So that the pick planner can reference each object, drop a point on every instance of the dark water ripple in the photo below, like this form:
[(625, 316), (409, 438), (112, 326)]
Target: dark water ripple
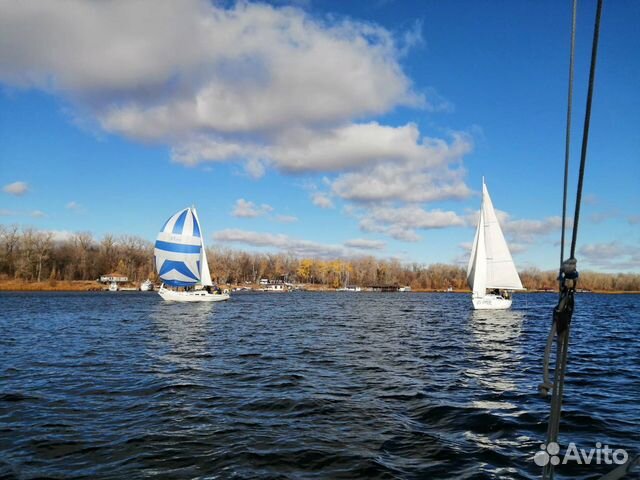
[(304, 386)]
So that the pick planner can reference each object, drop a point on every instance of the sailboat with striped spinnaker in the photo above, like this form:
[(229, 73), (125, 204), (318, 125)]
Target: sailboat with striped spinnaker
[(181, 261)]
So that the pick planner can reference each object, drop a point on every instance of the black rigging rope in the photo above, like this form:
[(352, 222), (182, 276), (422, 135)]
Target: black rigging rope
[(567, 144), (568, 275), (587, 121)]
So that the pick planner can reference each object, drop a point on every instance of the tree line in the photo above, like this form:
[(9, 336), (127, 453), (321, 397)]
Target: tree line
[(36, 256)]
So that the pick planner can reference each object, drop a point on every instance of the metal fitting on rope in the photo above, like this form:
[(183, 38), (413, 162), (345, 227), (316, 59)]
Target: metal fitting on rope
[(563, 312), (569, 270)]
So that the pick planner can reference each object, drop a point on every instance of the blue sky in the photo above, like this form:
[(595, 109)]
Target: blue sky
[(321, 128)]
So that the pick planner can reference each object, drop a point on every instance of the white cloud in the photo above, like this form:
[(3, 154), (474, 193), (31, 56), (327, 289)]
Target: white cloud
[(523, 231), (302, 248), (193, 66), (604, 215), (420, 172), (22, 213), (612, 256), (262, 85), (529, 231), (16, 188), (388, 157), (60, 235), (246, 209), (298, 247), (254, 168), (365, 244), (401, 223), (74, 206), (286, 218), (321, 200), (353, 146)]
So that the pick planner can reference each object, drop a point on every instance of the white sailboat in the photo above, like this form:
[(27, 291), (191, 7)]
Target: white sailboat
[(181, 260), (491, 266), (348, 288)]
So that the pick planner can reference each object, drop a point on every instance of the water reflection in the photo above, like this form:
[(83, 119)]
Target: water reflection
[(183, 330), (498, 350)]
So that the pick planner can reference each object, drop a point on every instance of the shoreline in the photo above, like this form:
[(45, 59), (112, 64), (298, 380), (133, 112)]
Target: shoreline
[(92, 286)]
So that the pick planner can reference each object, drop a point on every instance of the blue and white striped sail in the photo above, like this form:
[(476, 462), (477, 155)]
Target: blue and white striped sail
[(178, 250)]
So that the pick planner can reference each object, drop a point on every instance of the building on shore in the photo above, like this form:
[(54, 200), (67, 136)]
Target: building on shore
[(114, 277), (384, 288)]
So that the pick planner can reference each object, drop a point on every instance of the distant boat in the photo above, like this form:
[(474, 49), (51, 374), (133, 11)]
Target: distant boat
[(276, 287), (490, 265), (181, 261), (113, 287), (146, 286), (347, 287)]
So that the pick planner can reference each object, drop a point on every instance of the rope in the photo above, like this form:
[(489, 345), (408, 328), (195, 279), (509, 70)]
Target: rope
[(587, 121), (567, 143), (622, 470), (568, 274), (546, 385)]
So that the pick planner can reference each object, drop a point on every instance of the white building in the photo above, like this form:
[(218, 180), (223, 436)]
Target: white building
[(114, 277)]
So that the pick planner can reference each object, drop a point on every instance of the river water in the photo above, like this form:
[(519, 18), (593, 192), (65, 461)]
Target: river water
[(305, 385)]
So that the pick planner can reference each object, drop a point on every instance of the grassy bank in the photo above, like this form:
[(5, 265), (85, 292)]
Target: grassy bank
[(55, 286), (92, 286)]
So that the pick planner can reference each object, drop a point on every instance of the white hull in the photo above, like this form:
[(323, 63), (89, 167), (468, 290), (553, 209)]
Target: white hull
[(113, 287), (491, 302), (192, 296)]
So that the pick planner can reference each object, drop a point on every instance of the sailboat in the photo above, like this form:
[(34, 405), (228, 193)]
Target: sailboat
[(348, 288), (490, 265), (181, 260)]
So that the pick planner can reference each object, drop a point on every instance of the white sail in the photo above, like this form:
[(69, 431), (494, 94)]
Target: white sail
[(205, 274), (477, 271), (178, 250), (501, 271), (471, 268), (490, 264)]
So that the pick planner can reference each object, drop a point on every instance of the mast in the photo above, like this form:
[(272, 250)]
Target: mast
[(480, 271), (477, 269)]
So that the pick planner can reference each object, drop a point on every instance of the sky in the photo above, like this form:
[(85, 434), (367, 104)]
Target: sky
[(321, 128)]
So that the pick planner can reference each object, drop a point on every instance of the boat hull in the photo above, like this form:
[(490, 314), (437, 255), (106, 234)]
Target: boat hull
[(192, 296), (491, 302)]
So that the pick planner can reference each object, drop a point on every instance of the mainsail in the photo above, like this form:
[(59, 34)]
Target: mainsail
[(205, 276), (477, 269), (491, 264), (179, 249)]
